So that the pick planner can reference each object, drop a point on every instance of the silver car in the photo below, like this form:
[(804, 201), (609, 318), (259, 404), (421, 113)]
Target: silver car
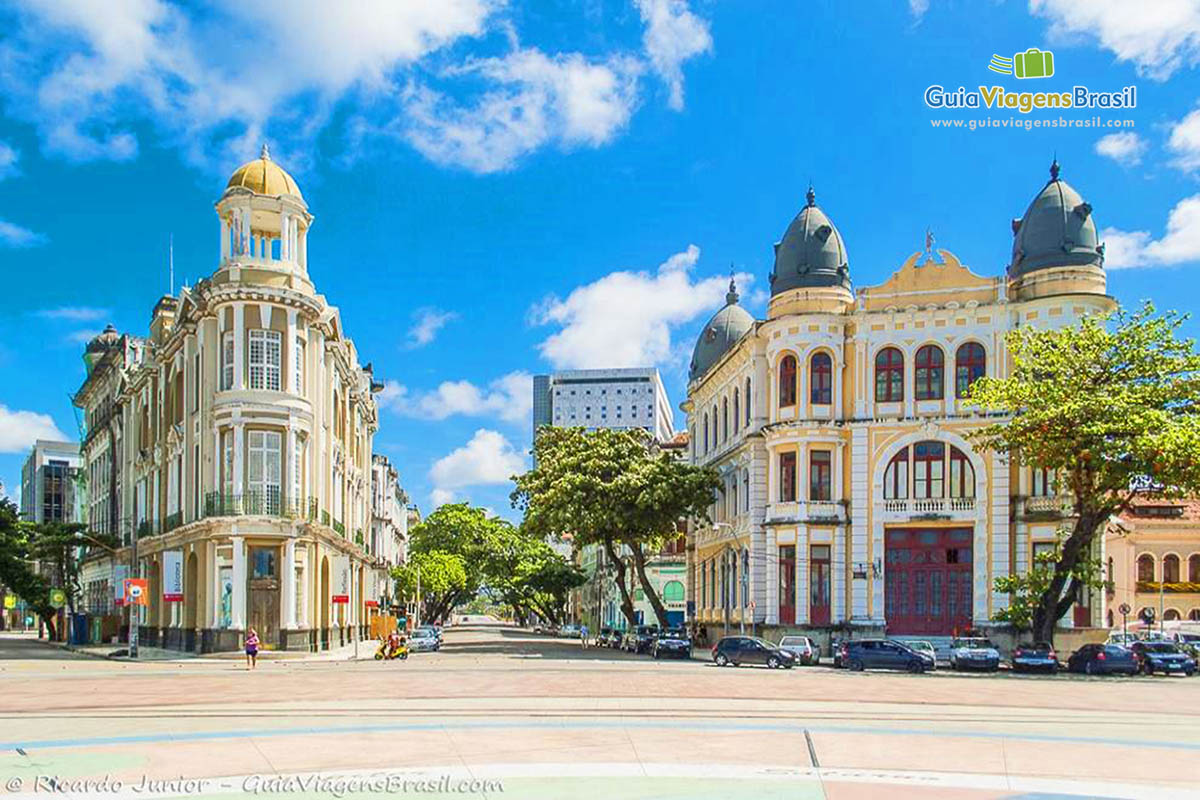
[(424, 640), (805, 650), (924, 648)]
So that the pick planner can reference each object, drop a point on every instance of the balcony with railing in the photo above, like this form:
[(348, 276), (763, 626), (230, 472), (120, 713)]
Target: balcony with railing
[(339, 527), (1050, 505), (929, 505), (254, 504), (172, 521)]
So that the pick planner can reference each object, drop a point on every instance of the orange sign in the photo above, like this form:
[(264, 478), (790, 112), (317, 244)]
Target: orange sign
[(136, 592)]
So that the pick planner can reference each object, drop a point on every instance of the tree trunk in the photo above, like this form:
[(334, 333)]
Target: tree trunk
[(1058, 598), (639, 564), (619, 567)]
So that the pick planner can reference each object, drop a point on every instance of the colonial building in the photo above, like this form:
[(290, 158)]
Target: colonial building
[(231, 447), (389, 513), (852, 496), (1153, 559)]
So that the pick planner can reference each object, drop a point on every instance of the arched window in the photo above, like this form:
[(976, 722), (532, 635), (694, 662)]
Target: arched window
[(725, 419), (929, 470), (733, 486), (1145, 568), (889, 376), (929, 363), (821, 376), (1194, 568), (1170, 615), (706, 432), (672, 592), (1111, 622), (787, 381), (962, 474), (1194, 615), (970, 363), (747, 401), (716, 439), (745, 578), (745, 490), (736, 406), (1170, 568), (895, 477)]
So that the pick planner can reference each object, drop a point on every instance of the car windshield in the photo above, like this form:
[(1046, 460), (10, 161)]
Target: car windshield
[(645, 630), (793, 641), (675, 633), (972, 643), (1160, 648), (1038, 646), (1190, 638)]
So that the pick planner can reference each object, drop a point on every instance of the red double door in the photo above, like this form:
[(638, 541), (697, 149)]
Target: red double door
[(928, 580)]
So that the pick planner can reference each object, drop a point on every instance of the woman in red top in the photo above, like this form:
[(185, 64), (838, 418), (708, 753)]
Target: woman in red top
[(251, 649)]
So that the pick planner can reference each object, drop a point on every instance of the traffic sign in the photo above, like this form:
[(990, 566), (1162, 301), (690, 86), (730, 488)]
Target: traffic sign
[(58, 598), (1124, 609)]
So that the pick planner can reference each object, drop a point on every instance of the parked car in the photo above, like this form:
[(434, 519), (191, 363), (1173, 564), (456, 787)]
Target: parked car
[(546, 629), (1103, 659), (1122, 639), (738, 650), (805, 650), (639, 639), (860, 654), (569, 631), (926, 649), (1188, 643), (1165, 657), (1033, 656), (974, 653), (423, 640), (672, 642), (613, 638)]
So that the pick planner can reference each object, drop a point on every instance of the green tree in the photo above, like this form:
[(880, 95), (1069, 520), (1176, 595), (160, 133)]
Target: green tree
[(1111, 406), (17, 570), (62, 546), (612, 489), (441, 577)]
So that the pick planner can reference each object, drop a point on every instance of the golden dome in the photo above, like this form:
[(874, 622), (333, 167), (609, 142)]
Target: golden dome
[(264, 176)]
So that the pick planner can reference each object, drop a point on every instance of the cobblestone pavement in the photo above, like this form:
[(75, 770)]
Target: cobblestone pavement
[(547, 719)]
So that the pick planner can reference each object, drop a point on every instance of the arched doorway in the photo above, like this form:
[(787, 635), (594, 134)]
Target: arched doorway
[(323, 602), (191, 600)]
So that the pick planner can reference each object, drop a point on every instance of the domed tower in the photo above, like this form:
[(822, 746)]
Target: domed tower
[(812, 273), (100, 344), (264, 226), (722, 332), (1055, 246)]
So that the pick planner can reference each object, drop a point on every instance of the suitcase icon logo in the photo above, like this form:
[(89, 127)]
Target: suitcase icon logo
[(1033, 63)]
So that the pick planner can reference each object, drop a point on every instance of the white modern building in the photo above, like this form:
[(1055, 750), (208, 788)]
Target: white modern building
[(618, 399)]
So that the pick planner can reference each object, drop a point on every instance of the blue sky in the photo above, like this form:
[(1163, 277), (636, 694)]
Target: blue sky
[(503, 189)]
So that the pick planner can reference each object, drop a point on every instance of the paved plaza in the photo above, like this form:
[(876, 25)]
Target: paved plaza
[(545, 719)]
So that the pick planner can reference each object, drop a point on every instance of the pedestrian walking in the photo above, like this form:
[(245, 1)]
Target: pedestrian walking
[(583, 634), (251, 649)]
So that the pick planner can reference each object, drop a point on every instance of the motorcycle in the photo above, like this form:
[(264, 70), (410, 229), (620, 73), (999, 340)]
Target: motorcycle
[(389, 652)]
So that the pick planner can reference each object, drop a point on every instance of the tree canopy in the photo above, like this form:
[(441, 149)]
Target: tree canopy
[(1110, 405)]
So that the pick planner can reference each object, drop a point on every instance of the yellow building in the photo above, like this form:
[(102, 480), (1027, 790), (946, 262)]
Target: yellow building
[(852, 497), (1153, 553), (232, 446)]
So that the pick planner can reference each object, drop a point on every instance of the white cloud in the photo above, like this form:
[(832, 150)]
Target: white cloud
[(440, 497), (625, 319), (1180, 244), (1158, 38), (215, 80), (8, 161), (74, 313), (426, 324), (13, 235), (673, 34), (1184, 142), (487, 460), (918, 8), (1126, 148), (509, 398), (19, 429), (532, 100)]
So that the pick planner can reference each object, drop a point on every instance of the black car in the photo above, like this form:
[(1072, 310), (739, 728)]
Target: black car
[(604, 637), (738, 650), (672, 642), (1165, 657), (1034, 656), (639, 639), (1103, 659), (860, 654)]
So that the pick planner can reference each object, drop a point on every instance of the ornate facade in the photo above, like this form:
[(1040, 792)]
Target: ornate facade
[(233, 444), (852, 495)]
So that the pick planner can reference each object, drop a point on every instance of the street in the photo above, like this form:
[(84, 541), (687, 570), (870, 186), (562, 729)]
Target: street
[(549, 719)]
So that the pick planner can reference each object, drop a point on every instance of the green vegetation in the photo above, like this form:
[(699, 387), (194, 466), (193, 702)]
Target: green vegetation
[(1112, 406)]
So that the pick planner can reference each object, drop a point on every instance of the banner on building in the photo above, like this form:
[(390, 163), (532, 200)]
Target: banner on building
[(120, 573), (340, 566), (172, 562), (136, 592)]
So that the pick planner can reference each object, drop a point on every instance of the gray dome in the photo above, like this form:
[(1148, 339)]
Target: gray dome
[(104, 340), (722, 331), (1056, 231), (811, 254)]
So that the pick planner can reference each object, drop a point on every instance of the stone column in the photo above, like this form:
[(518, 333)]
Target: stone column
[(224, 240), (290, 366), (239, 584), (288, 584), (238, 447), (860, 499), (285, 223), (213, 612), (239, 345)]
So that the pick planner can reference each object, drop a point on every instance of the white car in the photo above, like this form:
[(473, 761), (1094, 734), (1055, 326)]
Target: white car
[(1122, 639), (424, 640), (924, 648), (803, 648), (974, 653)]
